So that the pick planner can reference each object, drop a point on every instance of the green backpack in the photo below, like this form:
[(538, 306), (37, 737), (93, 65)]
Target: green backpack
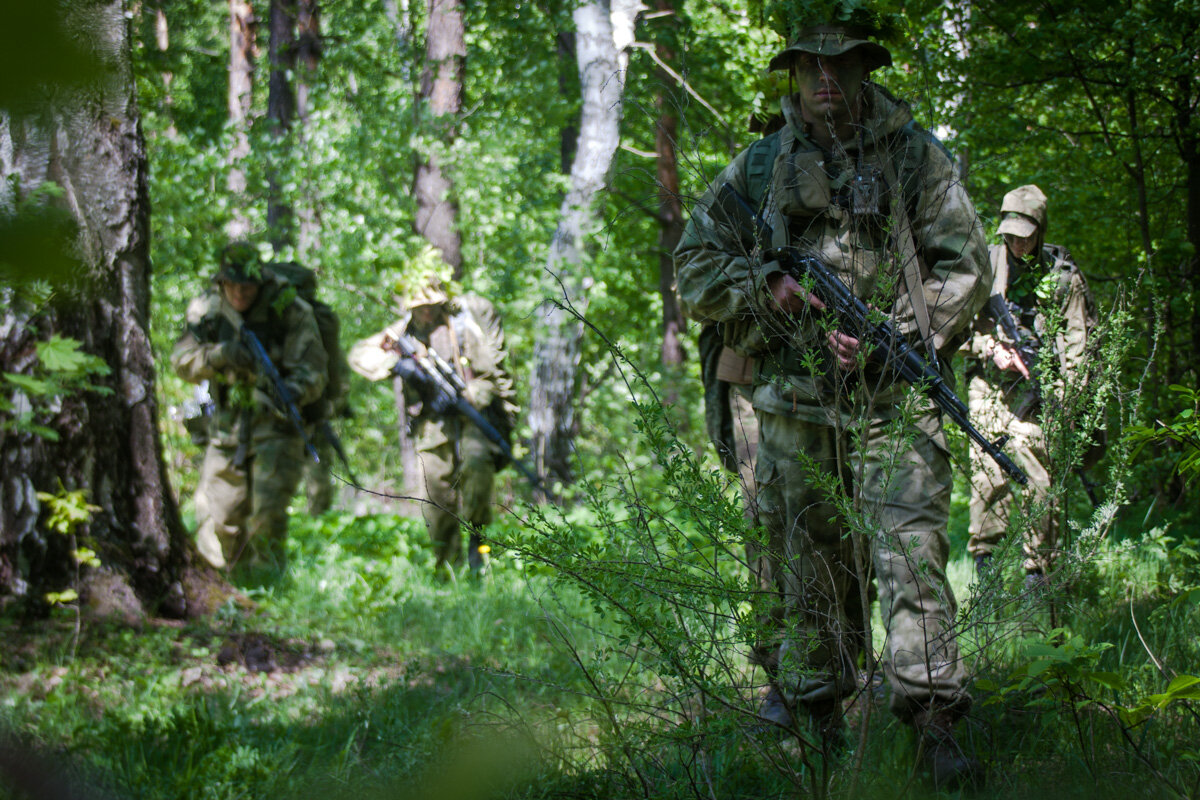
[(304, 281)]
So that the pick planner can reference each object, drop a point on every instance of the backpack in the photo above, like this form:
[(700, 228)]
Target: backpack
[(304, 281)]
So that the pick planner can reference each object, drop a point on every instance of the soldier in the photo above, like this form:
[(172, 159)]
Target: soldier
[(852, 468), (255, 454), (457, 461), (1034, 281)]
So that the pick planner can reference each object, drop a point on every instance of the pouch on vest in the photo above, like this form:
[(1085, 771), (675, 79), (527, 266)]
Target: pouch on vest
[(800, 185)]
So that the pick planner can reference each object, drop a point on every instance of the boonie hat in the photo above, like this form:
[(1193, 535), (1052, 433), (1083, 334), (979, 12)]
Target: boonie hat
[(833, 40)]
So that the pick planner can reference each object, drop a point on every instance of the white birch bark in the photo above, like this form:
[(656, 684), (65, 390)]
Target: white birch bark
[(603, 34)]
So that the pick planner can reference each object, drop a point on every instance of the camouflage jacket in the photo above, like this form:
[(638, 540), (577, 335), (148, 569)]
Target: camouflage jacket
[(840, 207), (288, 331)]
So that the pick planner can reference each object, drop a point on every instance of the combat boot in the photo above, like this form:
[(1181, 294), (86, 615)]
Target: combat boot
[(950, 767), (774, 710)]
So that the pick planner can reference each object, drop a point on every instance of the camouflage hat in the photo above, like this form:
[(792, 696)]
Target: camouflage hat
[(833, 40), (1023, 211), (240, 263)]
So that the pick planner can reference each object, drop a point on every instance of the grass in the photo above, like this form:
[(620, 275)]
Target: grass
[(386, 683)]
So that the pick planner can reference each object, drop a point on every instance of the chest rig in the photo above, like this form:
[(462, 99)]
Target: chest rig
[(852, 209)]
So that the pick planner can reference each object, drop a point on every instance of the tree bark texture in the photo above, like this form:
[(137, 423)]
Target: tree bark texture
[(243, 26), (281, 110), (603, 32), (91, 146), (308, 59), (670, 207), (439, 105)]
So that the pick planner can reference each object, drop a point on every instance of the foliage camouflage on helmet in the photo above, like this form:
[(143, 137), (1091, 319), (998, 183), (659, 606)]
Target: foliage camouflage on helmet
[(240, 262), (790, 18), (426, 280)]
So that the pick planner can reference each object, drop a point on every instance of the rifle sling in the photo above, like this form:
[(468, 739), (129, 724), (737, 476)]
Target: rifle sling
[(913, 283)]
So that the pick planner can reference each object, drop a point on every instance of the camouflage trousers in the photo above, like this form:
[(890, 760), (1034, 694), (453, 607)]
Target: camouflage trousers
[(242, 510), (837, 509), (318, 478), (456, 478), (992, 497)]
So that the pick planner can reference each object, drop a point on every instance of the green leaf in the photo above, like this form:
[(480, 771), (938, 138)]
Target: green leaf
[(62, 355), (33, 386), (62, 598), (1111, 680)]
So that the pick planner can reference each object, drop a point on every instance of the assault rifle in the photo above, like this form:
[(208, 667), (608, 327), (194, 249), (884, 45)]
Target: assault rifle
[(1027, 350), (883, 340), (447, 388), (286, 402)]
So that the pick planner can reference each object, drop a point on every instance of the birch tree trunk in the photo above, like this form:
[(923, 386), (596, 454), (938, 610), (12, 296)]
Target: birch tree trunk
[(243, 27), (603, 32), (90, 146)]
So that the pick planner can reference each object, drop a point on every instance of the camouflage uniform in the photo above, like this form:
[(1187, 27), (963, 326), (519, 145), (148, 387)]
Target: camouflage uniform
[(254, 456), (457, 461), (850, 472), (1000, 400)]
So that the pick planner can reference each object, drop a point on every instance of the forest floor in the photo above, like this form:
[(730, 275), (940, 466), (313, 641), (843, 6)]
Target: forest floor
[(358, 675)]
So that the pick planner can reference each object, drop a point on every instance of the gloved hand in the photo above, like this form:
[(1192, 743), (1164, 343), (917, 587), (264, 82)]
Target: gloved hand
[(232, 357), (413, 375)]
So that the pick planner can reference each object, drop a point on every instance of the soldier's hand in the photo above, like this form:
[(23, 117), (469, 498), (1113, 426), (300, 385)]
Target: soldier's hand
[(790, 296), (232, 357), (411, 373), (266, 400), (845, 349), (1007, 358)]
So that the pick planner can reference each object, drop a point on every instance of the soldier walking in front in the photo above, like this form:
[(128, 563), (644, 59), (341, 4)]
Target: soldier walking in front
[(853, 472)]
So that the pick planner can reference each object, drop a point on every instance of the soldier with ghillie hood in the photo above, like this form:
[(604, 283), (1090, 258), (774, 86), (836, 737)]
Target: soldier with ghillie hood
[(457, 461), (853, 472), (1049, 306), (254, 456)]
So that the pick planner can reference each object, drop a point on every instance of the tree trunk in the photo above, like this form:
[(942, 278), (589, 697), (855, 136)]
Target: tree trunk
[(439, 105), (91, 147), (281, 110), (243, 27), (670, 208), (603, 31), (308, 59)]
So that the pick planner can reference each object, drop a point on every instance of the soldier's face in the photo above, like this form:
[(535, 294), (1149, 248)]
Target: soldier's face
[(425, 317), (1020, 246), (240, 295), (829, 86)]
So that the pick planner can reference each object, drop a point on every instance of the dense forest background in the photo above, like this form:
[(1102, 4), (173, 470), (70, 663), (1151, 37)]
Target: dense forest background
[(550, 152)]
